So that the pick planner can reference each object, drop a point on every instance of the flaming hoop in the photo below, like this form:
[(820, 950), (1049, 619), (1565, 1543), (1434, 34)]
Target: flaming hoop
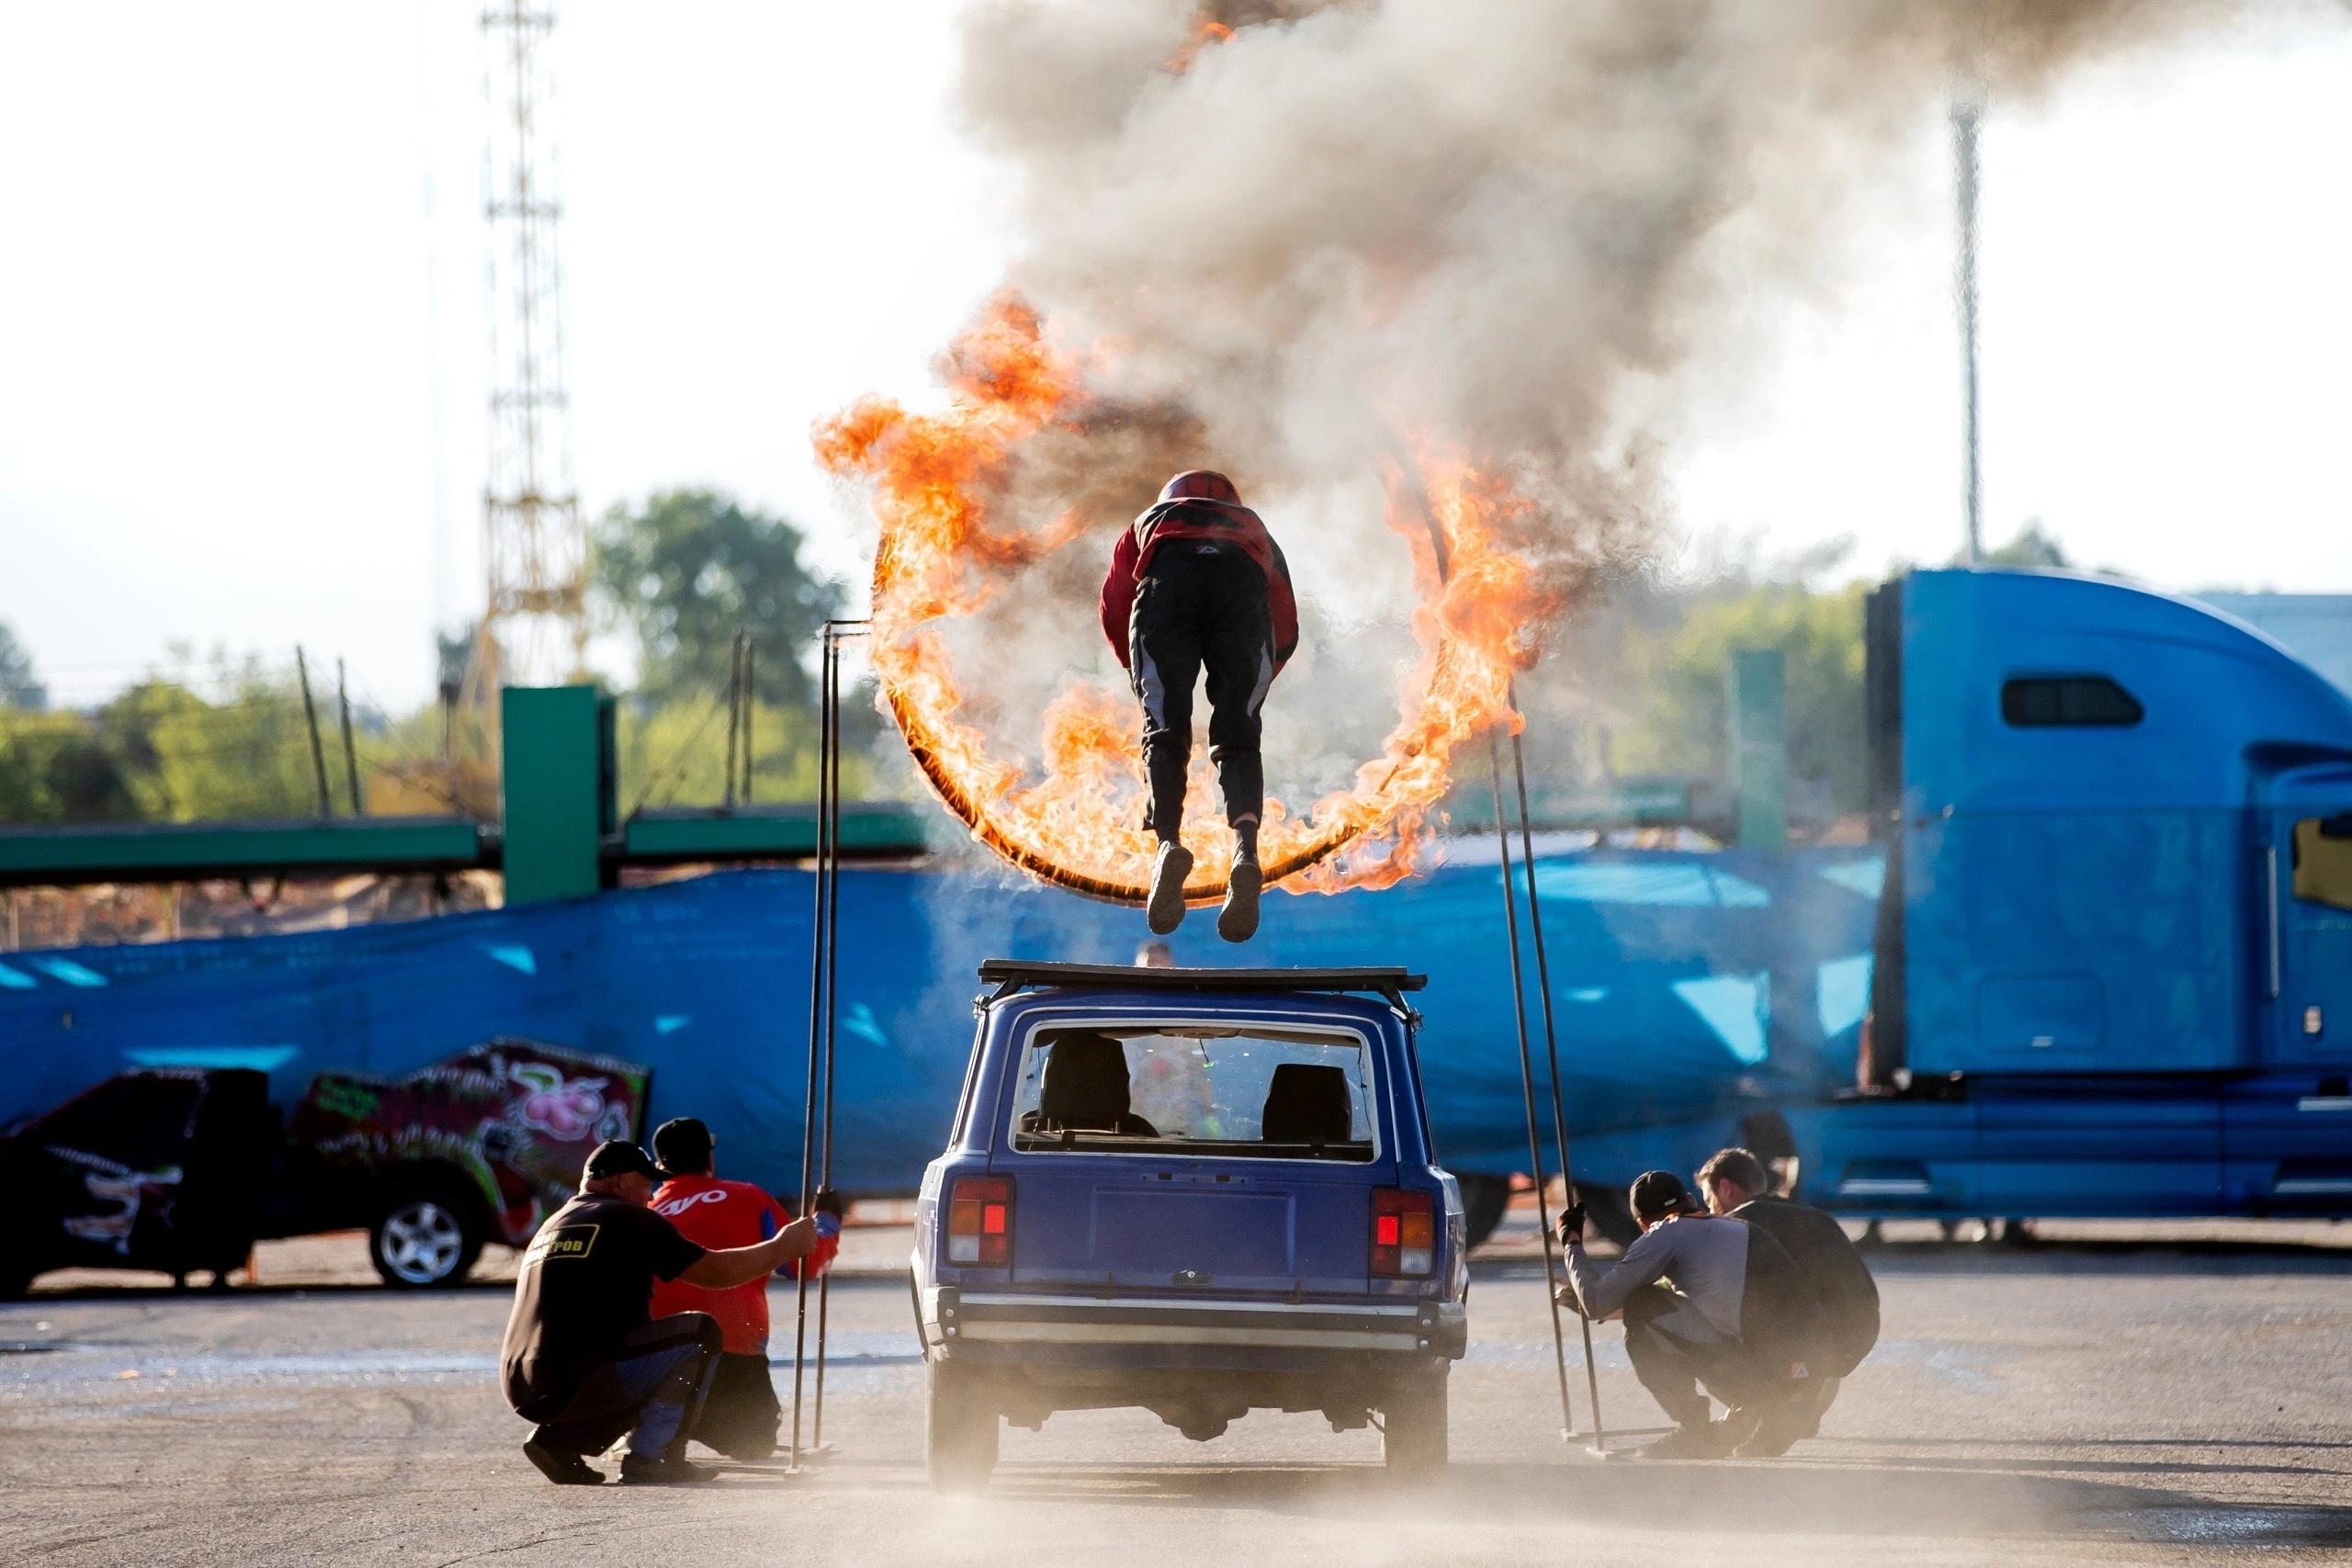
[(927, 477)]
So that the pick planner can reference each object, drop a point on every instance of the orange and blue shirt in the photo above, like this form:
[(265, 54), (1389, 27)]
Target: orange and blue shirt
[(716, 1214)]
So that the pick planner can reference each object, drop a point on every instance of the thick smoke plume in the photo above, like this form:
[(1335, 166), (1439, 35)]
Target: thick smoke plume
[(1508, 224), (1312, 243)]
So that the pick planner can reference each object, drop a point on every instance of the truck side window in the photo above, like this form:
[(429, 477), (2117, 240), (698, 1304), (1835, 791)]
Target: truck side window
[(2323, 850), (2074, 702)]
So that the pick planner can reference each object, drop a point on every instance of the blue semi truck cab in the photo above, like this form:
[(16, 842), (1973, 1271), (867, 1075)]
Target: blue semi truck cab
[(2113, 959), (1199, 1191)]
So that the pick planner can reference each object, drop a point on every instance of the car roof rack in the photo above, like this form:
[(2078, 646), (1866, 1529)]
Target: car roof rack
[(1011, 974)]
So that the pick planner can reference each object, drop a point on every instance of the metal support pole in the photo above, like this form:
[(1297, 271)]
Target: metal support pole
[(1965, 113), (311, 718), (750, 648), (816, 1029), (734, 714), (1527, 1088), (350, 752), (829, 835), (1551, 1040)]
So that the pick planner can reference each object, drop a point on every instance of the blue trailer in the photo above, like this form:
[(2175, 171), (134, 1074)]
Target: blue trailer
[(2113, 956)]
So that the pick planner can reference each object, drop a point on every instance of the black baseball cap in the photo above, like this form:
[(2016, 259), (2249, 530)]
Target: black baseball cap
[(619, 1156), (1658, 1193), (682, 1145)]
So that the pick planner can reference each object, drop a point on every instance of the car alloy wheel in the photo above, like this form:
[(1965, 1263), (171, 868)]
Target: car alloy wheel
[(423, 1241)]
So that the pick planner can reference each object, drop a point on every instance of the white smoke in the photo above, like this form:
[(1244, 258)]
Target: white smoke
[(1527, 229)]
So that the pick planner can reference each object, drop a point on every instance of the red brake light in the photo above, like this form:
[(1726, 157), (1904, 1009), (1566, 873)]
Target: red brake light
[(979, 1221), (1404, 1233)]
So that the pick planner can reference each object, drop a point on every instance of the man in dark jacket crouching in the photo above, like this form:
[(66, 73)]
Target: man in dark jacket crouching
[(1839, 1322)]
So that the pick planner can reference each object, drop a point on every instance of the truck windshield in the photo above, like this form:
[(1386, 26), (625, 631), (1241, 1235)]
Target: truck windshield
[(1259, 1093)]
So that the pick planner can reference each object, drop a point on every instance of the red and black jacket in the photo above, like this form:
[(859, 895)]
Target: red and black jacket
[(1196, 519)]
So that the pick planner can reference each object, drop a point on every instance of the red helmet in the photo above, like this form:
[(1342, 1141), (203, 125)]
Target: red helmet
[(1201, 484)]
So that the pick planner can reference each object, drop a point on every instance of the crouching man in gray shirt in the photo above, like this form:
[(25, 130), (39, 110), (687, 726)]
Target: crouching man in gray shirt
[(1706, 1303)]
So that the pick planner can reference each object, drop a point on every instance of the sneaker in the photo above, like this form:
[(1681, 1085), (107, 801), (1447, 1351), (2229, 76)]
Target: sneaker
[(1824, 1394), (1778, 1428), (1683, 1442), (1237, 921), (1165, 912), (636, 1471), (563, 1469)]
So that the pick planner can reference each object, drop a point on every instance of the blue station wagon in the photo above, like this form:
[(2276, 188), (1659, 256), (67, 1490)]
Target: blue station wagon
[(1198, 1192)]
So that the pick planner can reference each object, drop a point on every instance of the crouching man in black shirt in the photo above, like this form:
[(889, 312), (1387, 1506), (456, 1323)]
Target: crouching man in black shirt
[(585, 1361)]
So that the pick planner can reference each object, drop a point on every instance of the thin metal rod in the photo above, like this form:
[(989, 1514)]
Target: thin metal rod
[(350, 752), (734, 716), (311, 718), (1527, 1088), (808, 1098), (1551, 1037), (828, 868), (749, 648)]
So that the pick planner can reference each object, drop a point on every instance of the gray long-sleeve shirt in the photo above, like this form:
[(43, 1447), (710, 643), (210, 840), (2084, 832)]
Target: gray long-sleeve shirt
[(1703, 1258)]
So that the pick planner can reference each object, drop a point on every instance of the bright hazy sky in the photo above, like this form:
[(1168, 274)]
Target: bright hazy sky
[(242, 300)]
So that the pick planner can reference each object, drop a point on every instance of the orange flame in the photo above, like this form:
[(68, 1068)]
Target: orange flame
[(1207, 33), (928, 476)]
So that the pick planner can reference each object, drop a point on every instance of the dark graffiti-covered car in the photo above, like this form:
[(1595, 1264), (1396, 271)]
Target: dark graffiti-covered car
[(474, 1149), (153, 1170), (182, 1170)]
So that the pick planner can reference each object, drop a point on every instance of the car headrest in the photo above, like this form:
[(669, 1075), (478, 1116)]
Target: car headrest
[(1085, 1084), (1307, 1104)]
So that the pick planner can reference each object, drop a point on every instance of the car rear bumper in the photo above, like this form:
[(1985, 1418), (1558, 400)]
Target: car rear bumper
[(1014, 1325)]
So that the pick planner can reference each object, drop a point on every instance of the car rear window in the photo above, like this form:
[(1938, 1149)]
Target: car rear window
[(1260, 1093)]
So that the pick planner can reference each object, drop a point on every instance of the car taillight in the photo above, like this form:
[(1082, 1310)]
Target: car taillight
[(1404, 1233), (979, 1221)]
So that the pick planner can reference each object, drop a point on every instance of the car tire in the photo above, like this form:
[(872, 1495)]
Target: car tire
[(1484, 1201), (1413, 1424), (960, 1430), (427, 1235)]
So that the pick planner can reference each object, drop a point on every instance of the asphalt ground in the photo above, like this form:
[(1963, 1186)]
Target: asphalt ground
[(2104, 1398)]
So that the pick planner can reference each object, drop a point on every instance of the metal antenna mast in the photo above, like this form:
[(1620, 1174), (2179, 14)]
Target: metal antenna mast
[(535, 554), (1968, 108)]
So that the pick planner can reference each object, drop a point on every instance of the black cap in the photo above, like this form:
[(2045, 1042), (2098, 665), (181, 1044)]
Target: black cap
[(1658, 1193), (620, 1157), (683, 1146)]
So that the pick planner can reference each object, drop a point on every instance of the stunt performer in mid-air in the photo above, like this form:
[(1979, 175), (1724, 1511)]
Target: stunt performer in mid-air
[(1198, 583)]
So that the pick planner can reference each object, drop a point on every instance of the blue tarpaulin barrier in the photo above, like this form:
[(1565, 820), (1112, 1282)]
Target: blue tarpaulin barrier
[(1687, 986)]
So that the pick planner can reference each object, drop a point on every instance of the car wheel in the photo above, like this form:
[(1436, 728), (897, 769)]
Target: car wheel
[(425, 1238), (1412, 1425), (1484, 1200), (1608, 1214), (960, 1429)]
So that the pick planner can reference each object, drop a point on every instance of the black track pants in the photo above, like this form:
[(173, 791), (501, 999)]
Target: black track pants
[(741, 1418), (1201, 607), (653, 1389), (1675, 1350)]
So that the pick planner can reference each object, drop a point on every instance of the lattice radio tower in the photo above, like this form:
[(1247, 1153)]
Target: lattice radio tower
[(534, 553)]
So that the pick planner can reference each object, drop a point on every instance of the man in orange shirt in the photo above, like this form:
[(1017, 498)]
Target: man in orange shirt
[(741, 1415)]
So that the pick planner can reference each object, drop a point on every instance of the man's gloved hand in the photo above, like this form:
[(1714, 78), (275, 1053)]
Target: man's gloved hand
[(827, 1212), (1572, 1225)]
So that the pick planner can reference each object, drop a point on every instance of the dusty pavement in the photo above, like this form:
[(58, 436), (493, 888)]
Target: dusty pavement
[(2088, 1401)]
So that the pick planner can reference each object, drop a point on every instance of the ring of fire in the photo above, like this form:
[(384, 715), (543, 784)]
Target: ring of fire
[(928, 478)]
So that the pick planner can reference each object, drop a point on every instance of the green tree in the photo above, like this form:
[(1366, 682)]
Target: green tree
[(2034, 546), (19, 685), (691, 568), (1820, 635)]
